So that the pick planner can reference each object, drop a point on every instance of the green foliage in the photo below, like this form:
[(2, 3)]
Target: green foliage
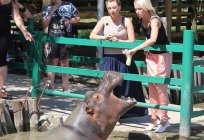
[(84, 33)]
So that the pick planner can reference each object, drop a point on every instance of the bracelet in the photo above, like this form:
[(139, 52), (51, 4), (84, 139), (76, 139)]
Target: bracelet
[(22, 10)]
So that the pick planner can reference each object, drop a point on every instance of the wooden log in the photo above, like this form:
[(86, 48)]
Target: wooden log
[(18, 115), (6, 123), (33, 113), (26, 116)]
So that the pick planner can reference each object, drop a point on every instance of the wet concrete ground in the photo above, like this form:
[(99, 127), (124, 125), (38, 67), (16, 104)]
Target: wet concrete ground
[(58, 108)]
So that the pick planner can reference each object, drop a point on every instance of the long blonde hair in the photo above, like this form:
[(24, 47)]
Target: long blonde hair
[(146, 5)]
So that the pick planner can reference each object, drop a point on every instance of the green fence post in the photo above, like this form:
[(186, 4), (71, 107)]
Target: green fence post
[(29, 49), (187, 84), (37, 57)]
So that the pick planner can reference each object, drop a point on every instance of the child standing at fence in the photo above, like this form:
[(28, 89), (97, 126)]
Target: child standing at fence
[(59, 17), (158, 62), (118, 28)]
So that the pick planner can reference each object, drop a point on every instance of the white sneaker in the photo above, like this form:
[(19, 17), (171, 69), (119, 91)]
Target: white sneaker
[(161, 128), (151, 126)]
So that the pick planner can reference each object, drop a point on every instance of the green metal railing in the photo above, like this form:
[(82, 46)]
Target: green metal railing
[(185, 84)]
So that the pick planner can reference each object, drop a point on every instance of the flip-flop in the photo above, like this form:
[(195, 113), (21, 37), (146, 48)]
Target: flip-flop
[(6, 95)]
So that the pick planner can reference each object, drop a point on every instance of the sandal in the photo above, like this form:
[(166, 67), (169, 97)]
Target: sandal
[(5, 95)]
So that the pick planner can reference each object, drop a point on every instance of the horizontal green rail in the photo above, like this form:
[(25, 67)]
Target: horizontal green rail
[(199, 47), (97, 73), (197, 113), (173, 87), (99, 60), (105, 43), (199, 89), (63, 94), (198, 62), (163, 107), (139, 104)]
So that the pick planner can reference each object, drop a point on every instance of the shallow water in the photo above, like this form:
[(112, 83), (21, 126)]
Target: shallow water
[(132, 136), (37, 136), (34, 135), (30, 135), (149, 135)]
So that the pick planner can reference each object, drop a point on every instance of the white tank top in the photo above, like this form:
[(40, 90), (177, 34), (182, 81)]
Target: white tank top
[(119, 30)]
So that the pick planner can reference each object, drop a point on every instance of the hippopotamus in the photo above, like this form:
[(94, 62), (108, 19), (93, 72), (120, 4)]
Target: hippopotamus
[(96, 116)]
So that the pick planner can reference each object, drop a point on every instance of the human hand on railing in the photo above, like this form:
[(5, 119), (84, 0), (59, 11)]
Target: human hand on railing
[(114, 38), (106, 37), (28, 36), (110, 37)]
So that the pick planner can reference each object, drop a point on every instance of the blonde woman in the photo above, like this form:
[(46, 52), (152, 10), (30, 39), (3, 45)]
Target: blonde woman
[(158, 62), (118, 28), (8, 8)]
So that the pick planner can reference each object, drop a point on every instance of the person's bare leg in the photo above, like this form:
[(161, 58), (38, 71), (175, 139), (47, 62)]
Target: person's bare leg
[(65, 77), (3, 76), (51, 75)]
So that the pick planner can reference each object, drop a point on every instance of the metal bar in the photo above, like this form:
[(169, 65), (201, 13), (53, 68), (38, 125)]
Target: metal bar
[(199, 89), (187, 85), (37, 51), (199, 47), (60, 93), (109, 44), (199, 69), (97, 73), (169, 86), (198, 62), (197, 113), (139, 104), (163, 107)]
